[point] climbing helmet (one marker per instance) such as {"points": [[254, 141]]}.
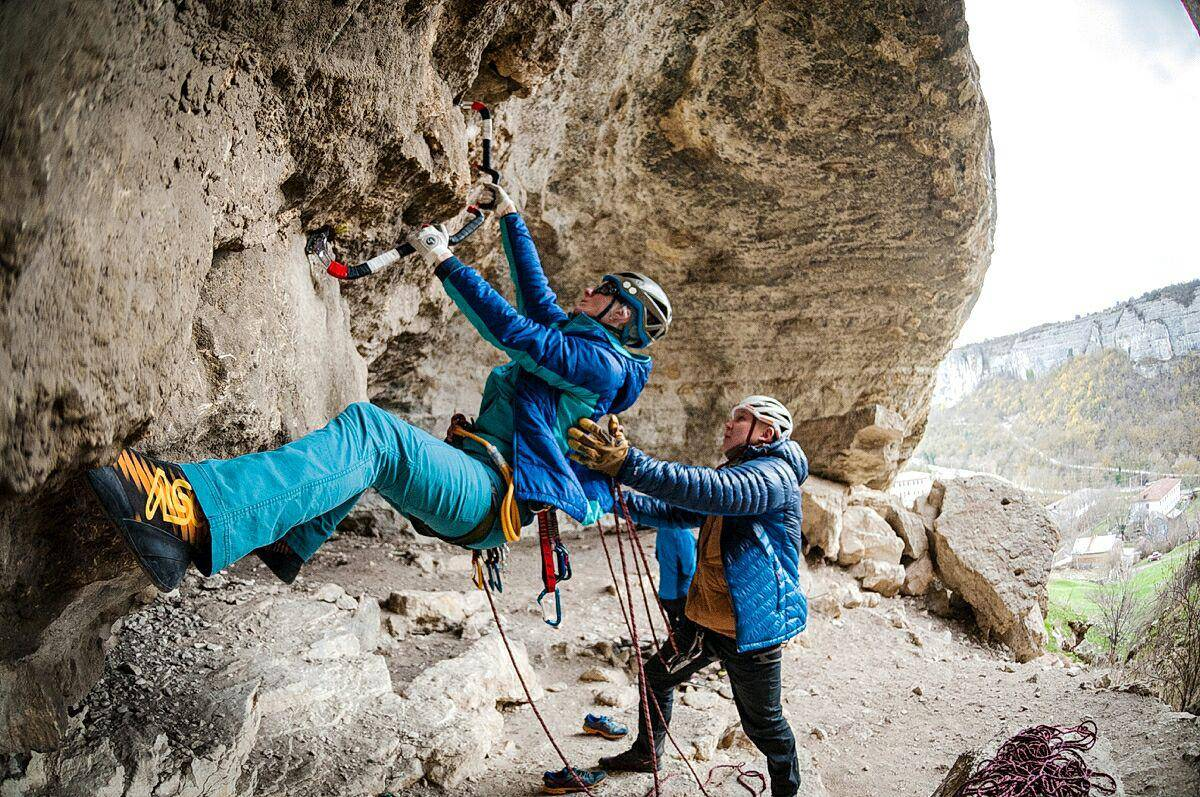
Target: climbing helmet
{"points": [[650, 305], [768, 410]]}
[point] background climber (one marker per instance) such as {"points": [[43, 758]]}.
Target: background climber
{"points": [[675, 549], [283, 504], [745, 599]]}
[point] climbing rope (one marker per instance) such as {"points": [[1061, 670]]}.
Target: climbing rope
{"points": [[650, 702], [1042, 761], [487, 590]]}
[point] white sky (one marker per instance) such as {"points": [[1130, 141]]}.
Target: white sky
{"points": [[1095, 108]]}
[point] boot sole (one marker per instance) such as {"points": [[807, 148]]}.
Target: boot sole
{"points": [[111, 496], [605, 735]]}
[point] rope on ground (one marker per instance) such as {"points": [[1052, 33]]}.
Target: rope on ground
{"points": [[1042, 760]]}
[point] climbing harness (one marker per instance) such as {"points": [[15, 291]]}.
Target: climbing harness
{"points": [[1044, 760], [319, 249], [510, 513], [556, 564]]}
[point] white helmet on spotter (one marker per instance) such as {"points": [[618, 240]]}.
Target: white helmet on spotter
{"points": [[770, 411]]}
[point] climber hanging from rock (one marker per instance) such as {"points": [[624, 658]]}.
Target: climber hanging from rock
{"points": [[283, 504], [745, 599]]}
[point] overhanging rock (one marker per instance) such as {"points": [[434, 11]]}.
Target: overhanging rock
{"points": [[863, 446]]}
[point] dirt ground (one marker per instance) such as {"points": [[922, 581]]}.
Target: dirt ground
{"points": [[881, 699]]}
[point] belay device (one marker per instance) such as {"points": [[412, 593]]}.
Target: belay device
{"points": [[318, 247]]}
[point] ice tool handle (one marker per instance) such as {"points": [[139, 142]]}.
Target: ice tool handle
{"points": [[318, 245], [485, 166]]}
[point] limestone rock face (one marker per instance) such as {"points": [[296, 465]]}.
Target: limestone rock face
{"points": [[862, 446], [813, 186], [729, 150], [159, 174], [993, 545]]}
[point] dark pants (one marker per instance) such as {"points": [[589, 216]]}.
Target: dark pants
{"points": [[755, 678], [674, 609]]}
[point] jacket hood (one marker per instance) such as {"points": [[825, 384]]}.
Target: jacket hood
{"points": [[787, 450]]}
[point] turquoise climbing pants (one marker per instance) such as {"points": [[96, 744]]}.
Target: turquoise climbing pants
{"points": [[302, 490]]}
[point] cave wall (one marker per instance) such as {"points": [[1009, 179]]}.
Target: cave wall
{"points": [[812, 184]]}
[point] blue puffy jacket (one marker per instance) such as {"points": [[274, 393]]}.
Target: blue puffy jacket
{"points": [[759, 495], [562, 368], [675, 550]]}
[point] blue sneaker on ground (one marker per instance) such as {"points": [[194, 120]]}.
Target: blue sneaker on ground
{"points": [[564, 782], [604, 726]]}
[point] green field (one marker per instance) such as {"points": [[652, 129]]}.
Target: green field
{"points": [[1071, 599]]}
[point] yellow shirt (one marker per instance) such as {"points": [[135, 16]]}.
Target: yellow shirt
{"points": [[708, 601]]}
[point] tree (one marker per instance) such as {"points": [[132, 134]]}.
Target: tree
{"points": [[1119, 614], [1170, 652]]}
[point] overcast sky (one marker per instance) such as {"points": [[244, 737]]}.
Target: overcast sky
{"points": [[1095, 108]]}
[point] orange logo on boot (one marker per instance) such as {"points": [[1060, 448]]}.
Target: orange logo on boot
{"points": [[172, 498]]}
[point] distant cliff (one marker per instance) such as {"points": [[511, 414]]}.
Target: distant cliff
{"points": [[1153, 328]]}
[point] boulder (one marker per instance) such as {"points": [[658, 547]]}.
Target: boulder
{"points": [[885, 578], [822, 504], [906, 523], [866, 535], [993, 545], [918, 576], [433, 610]]}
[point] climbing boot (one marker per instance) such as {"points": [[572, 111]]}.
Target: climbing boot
{"points": [[281, 560], [156, 510], [569, 781], [632, 760]]}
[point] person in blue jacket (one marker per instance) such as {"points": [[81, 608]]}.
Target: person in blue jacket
{"points": [[675, 549], [283, 504], [745, 599]]}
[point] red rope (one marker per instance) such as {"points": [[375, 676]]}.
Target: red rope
{"points": [[1042, 761], [744, 774]]}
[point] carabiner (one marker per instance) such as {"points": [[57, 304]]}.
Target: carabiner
{"points": [[564, 561], [557, 608]]}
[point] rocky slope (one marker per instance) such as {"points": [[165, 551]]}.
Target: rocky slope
{"points": [[1160, 326], [814, 186]]}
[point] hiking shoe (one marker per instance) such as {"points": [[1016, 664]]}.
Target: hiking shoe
{"points": [[604, 727], [281, 560], [154, 507], [632, 760], [566, 781]]}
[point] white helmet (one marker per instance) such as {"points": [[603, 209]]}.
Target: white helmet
{"points": [[770, 411]]}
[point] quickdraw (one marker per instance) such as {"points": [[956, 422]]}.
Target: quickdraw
{"points": [[319, 249], [556, 564], [492, 563]]}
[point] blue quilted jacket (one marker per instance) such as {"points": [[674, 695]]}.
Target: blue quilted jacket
{"points": [[759, 495], [562, 368]]}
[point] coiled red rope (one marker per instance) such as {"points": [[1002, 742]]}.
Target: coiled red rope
{"points": [[1042, 761]]}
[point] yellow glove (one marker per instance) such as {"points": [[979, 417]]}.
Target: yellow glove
{"points": [[595, 448]]}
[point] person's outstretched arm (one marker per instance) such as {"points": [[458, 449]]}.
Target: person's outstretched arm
{"points": [[746, 488], [655, 512], [535, 298], [566, 362]]}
